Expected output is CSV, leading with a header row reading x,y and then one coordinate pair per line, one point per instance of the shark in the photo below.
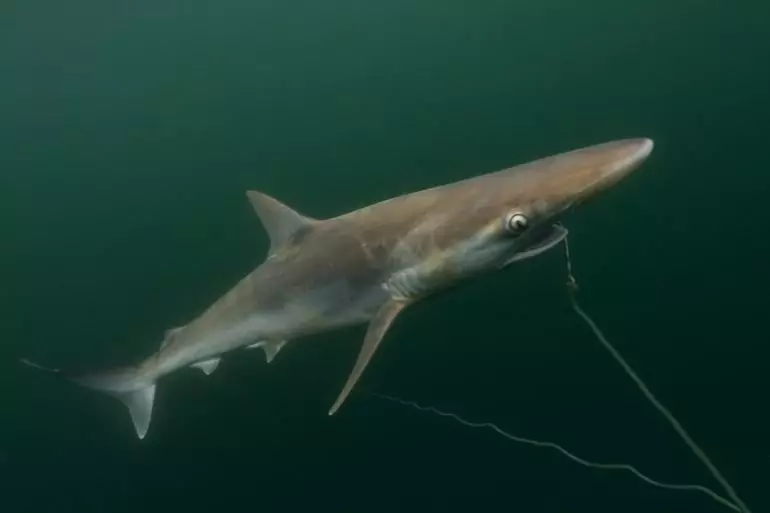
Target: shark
x,y
368,265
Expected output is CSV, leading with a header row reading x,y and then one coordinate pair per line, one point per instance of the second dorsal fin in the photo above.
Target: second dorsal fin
x,y
281,222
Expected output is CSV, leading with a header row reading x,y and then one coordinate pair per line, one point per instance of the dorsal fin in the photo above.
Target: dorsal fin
x,y
280,221
169,336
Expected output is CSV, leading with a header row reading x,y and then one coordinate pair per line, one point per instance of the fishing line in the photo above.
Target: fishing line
x,y
737,504
559,448
572,286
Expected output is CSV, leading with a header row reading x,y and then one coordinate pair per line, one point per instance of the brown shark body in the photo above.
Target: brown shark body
x,y
369,264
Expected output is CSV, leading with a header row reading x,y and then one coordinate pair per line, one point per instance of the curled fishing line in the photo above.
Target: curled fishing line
x,y
559,448
737,503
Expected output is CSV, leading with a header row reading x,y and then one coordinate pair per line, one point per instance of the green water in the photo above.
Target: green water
x,y
129,132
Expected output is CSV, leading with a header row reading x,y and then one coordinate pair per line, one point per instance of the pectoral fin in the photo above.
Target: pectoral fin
x,y
377,329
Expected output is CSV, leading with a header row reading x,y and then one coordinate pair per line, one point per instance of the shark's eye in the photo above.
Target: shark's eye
x,y
516,223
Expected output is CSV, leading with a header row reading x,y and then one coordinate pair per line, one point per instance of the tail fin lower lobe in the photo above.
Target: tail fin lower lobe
x,y
123,384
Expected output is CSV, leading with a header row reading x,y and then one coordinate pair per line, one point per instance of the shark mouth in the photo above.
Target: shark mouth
x,y
539,242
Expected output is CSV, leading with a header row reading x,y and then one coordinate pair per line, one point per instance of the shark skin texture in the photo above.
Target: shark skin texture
x,y
368,265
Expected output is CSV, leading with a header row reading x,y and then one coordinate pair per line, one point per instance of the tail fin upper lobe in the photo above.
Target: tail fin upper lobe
x,y
124,384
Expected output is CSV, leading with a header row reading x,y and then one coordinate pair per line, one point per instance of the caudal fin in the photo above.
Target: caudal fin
x,y
139,404
124,384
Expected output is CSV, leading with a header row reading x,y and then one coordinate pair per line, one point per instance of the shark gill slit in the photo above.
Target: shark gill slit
x,y
405,284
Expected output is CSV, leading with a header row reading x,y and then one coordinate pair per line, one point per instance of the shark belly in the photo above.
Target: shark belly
x,y
191,347
319,309
323,308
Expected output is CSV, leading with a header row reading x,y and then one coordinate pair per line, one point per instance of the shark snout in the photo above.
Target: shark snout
x,y
607,164
630,155
577,176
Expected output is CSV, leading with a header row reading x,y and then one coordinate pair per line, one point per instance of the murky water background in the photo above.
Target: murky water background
x,y
130,131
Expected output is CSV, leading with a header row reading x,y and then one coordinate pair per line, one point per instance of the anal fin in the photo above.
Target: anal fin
x,y
207,366
271,347
374,334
